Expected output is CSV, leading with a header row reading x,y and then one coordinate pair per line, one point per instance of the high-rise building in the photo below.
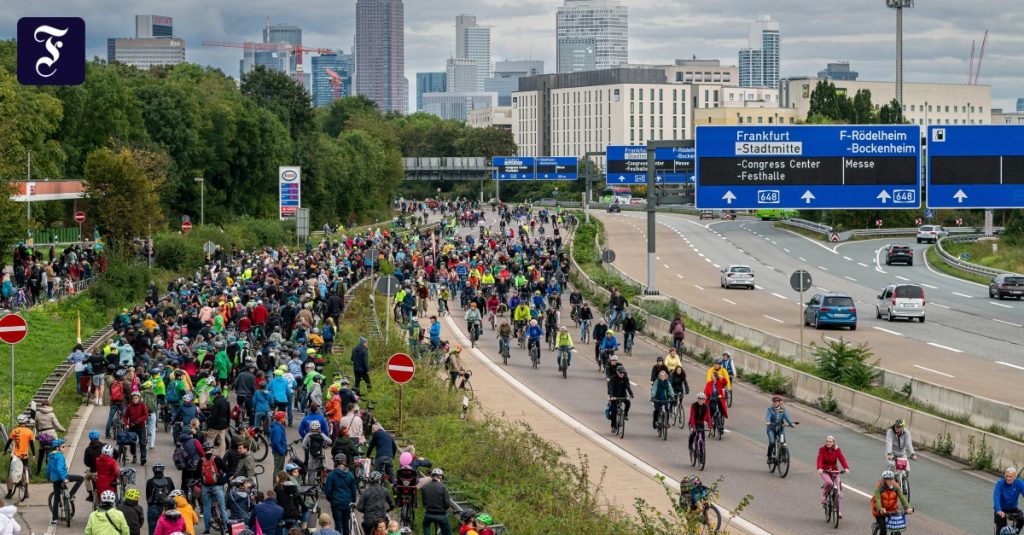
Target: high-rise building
x,y
461,75
323,86
146,53
457,105
473,41
284,33
838,71
429,82
506,77
759,62
1020,104
380,53
591,35
147,26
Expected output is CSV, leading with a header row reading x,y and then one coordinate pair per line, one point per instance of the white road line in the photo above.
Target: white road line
x,y
728,301
666,266
678,275
802,259
855,491
815,242
929,286
634,384
774,242
934,371
658,257
999,304
1007,322
886,331
699,287
928,265
822,289
1010,365
759,287
769,267
830,339
862,264
773,319
700,254
902,278
847,258
780,296
708,260
849,278
784,249
878,263
717,266
963,295
823,268
940,306
953,349
740,250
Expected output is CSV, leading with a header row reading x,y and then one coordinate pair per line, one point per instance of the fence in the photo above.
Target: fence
x,y
963,264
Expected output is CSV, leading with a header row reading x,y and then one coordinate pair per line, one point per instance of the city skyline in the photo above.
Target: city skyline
x,y
937,34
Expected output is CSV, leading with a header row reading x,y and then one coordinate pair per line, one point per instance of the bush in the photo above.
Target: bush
x,y
120,284
846,364
980,456
829,403
943,444
261,232
178,253
773,382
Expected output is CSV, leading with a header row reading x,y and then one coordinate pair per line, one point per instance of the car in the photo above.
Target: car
x,y
737,275
832,308
901,301
614,208
1007,285
899,252
930,233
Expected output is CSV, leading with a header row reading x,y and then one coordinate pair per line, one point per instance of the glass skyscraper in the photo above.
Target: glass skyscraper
x,y
473,41
591,35
323,88
380,53
759,62
429,82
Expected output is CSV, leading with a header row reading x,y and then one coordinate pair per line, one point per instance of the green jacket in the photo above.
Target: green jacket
x,y
109,522
222,364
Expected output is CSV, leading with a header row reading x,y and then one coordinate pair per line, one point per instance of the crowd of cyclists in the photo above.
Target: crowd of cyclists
x,y
36,276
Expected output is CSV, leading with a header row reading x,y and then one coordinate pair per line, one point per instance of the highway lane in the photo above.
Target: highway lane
x,y
780,505
688,259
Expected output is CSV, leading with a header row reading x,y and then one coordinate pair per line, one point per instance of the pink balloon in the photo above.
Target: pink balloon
x,y
405,459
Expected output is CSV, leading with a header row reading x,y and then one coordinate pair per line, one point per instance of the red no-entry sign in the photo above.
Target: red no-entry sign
x,y
79,217
186,226
401,368
13,329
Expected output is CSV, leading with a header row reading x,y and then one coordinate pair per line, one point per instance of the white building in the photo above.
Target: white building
x,y
473,41
999,116
591,35
461,75
496,116
457,105
759,62
145,53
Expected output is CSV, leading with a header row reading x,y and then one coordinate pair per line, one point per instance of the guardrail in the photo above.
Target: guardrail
x,y
963,264
824,230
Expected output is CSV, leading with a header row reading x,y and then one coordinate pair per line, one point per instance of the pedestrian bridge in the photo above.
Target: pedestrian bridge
x,y
447,168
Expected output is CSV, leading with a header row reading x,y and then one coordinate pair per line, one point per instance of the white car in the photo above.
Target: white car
x,y
931,233
901,301
737,275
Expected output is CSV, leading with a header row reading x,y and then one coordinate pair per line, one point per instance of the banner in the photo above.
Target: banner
x,y
289,180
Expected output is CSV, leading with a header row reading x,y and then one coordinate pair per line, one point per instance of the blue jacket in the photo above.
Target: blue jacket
x,y
435,332
261,401
186,413
268,514
56,467
314,417
278,439
278,387
1004,497
384,443
609,343
534,332
340,488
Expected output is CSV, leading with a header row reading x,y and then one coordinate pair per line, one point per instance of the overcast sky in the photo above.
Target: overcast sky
x,y
937,33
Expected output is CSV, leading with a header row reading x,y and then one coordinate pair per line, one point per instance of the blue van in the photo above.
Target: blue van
x,y
831,309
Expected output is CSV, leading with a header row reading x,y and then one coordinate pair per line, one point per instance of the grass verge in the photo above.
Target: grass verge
x,y
933,258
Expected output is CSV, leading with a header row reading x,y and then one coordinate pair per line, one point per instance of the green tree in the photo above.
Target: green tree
x,y
891,113
486,142
124,189
277,92
333,119
863,109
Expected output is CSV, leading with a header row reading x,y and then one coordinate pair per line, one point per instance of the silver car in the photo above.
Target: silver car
x,y
737,275
931,233
901,301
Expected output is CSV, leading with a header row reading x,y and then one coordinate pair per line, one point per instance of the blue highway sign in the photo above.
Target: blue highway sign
x,y
627,165
975,166
556,168
808,167
514,167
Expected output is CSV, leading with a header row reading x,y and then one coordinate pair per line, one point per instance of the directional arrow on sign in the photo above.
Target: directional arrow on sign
x,y
960,196
729,197
884,196
622,178
808,196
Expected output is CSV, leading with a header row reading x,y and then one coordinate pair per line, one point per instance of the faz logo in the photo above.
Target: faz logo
x,y
51,50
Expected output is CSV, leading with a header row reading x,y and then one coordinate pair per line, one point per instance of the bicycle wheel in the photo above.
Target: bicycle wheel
x,y
663,423
835,506
621,417
906,485
261,448
783,461
54,500
406,519
535,356
773,460
21,491
69,508
504,355
467,389
693,455
828,508
701,456
720,424
728,398
712,518
565,367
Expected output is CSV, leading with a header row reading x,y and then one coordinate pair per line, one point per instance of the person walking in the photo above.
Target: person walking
x,y
158,490
361,363
436,501
340,490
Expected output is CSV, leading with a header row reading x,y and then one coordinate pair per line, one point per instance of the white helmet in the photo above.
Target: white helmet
x,y
108,496
23,419
108,450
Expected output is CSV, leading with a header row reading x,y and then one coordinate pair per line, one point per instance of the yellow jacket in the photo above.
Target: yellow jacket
x,y
564,339
522,313
189,514
721,373
673,362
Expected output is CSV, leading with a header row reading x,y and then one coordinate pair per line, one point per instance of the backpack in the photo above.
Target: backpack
x,y
316,446
679,330
117,391
161,490
211,476
181,458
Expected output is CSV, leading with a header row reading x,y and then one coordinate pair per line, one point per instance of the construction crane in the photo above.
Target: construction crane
x,y
276,47
974,71
335,82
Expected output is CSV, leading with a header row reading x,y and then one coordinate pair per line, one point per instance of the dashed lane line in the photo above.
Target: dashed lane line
x,y
934,371
947,348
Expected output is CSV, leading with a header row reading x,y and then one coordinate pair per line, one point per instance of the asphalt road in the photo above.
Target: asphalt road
x,y
780,505
950,348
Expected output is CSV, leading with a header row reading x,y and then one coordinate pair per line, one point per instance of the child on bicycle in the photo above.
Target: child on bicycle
x,y
661,395
886,500
564,344
773,421
57,473
20,442
691,492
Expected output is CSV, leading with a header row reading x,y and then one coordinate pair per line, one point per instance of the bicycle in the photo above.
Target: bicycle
x,y
406,514
63,504
627,344
780,456
21,487
718,423
728,398
535,353
574,314
521,337
464,386
1013,520
662,418
165,416
679,411
895,523
493,319
585,331
503,349
832,499
474,333
710,518
259,446
605,355
354,525
125,478
564,358
698,452
899,466
619,421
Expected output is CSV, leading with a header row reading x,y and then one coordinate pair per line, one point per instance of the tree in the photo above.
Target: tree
x,y
486,142
124,189
334,118
891,113
278,93
863,109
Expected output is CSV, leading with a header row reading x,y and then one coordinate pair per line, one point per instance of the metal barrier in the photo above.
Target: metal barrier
x,y
963,264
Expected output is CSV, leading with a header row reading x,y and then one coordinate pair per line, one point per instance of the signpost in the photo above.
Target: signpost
x,y
289,181
514,167
870,167
388,285
975,166
186,226
556,168
608,256
401,370
627,165
13,329
800,280
535,168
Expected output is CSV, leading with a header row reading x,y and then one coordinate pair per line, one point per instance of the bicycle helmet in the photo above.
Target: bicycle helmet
x,y
376,477
437,472
660,359
620,369
57,442
609,332
718,362
405,531
612,358
340,458
23,419
485,519
108,497
776,398
108,450
466,515
159,468
314,425
120,374
208,446
700,395
888,474
1008,530
290,466
171,508
175,493
188,398
238,480
900,422
132,494
94,435
214,391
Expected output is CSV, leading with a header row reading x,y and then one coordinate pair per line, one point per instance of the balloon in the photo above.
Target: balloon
x,y
405,459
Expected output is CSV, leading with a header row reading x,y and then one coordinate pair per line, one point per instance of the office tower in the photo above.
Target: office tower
x,y
759,62
429,82
591,35
380,53
280,33
1020,105
506,77
146,53
460,75
147,26
838,71
473,41
323,88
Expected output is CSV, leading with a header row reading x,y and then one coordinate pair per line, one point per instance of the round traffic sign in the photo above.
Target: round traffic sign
x,y
186,226
401,368
79,217
13,328
388,285
608,256
800,280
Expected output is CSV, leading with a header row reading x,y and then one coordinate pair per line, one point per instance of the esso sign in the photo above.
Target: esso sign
x,y
289,175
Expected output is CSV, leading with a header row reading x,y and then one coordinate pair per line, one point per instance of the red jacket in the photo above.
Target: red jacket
x,y
106,473
827,458
259,315
693,416
135,415
721,395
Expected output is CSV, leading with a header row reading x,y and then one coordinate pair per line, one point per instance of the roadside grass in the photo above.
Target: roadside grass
x,y
932,256
1008,257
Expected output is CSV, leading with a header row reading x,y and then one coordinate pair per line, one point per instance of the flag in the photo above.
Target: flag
x,y
79,331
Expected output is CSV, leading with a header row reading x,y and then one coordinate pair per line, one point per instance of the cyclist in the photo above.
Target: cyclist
x,y
597,336
533,334
314,444
728,366
132,511
699,414
830,456
716,368
504,335
1005,496
436,502
374,502
661,394
57,473
659,366
773,421
563,342
158,490
898,443
672,361
575,300
714,390
520,316
340,491
586,316
613,364
679,384
493,302
609,344
239,500
628,330
22,440
473,322
619,387
887,499
693,491
551,322
107,520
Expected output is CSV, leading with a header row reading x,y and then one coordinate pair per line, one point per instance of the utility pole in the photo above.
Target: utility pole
x,y
899,6
28,189
202,199
586,198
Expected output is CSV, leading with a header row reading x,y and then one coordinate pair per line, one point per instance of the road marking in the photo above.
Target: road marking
x,y
769,267
740,250
847,258
862,493
999,304
878,262
728,301
658,257
862,264
963,295
830,339
822,289
708,260
717,266
953,349
634,384
929,286
1010,365
887,331
1007,322
780,296
902,278
784,249
774,242
802,259
815,242
666,266
934,371
940,306
700,254
678,275
773,319
759,287
849,278
699,287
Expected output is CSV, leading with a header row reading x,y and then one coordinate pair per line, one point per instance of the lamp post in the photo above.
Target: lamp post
x,y
899,5
202,199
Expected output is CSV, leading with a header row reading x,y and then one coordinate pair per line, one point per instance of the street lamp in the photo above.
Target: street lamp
x,y
202,199
899,5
